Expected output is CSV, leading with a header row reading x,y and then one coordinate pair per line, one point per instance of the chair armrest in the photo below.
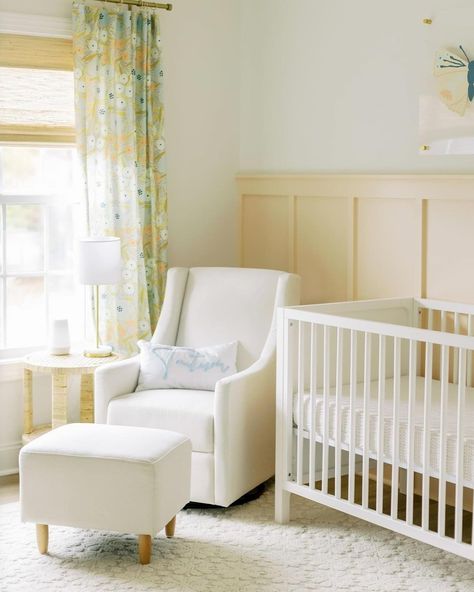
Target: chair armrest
x,y
244,410
113,380
261,370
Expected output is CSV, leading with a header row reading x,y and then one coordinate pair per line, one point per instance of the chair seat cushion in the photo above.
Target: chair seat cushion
x,y
186,411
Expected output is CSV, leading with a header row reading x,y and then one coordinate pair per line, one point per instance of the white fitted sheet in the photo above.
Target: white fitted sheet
x,y
451,423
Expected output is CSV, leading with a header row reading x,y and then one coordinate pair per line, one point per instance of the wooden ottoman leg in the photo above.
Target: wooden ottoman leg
x,y
169,528
42,536
144,548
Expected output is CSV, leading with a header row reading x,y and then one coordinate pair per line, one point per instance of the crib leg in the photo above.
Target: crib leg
x,y
282,506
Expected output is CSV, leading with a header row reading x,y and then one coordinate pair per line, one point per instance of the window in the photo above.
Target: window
x,y
39,214
39,204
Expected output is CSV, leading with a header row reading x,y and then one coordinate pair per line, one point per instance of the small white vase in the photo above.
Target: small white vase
x,y
59,341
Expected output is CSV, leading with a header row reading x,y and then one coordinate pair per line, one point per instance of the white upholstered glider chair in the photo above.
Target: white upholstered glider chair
x,y
232,429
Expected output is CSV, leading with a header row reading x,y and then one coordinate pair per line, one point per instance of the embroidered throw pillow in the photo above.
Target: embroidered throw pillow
x,y
166,366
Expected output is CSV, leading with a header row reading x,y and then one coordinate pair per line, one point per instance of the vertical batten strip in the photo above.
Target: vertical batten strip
x,y
352,402
396,427
350,249
339,353
326,393
421,252
291,234
443,320
442,439
300,386
430,319
469,354
355,247
425,512
312,389
411,429
365,455
380,424
456,351
458,510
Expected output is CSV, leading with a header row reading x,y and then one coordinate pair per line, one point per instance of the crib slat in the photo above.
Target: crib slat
x,y
380,424
396,427
425,512
458,512
339,353
312,389
326,389
442,440
411,429
352,402
365,452
300,387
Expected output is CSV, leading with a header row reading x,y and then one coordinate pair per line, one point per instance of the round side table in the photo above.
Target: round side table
x,y
60,368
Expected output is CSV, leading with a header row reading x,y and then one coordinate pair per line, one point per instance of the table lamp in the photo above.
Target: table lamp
x,y
99,264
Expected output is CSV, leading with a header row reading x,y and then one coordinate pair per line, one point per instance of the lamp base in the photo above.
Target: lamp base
x,y
103,351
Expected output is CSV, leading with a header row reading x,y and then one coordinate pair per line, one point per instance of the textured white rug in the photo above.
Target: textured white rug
x,y
238,549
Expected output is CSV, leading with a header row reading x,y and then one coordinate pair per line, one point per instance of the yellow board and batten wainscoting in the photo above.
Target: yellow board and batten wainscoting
x,y
362,236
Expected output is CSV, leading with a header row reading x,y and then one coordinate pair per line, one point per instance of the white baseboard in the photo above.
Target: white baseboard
x,y
9,458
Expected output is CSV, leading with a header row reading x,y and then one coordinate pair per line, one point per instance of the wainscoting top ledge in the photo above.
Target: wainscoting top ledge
x,y
404,186
385,176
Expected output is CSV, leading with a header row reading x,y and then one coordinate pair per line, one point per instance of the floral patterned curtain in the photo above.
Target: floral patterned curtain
x,y
119,123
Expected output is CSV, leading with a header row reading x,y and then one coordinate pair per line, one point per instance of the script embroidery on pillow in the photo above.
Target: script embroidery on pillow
x,y
165,366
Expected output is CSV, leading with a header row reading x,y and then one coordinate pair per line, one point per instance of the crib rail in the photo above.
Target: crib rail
x,y
373,419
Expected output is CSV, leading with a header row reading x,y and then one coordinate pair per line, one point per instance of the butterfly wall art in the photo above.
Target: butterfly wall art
x,y
455,76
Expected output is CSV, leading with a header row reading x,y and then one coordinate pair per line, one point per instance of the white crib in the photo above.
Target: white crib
x,y
375,415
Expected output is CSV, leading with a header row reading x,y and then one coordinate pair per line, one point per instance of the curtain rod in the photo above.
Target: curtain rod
x,y
142,3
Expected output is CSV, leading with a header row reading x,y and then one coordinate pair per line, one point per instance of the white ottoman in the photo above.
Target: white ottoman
x,y
119,478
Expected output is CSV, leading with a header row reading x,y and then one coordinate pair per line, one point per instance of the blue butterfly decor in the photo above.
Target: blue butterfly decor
x,y
455,75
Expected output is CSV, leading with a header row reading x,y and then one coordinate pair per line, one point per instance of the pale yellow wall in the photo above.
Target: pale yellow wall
x,y
363,236
201,96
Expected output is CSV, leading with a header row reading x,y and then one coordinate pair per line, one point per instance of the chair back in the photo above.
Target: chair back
x,y
224,304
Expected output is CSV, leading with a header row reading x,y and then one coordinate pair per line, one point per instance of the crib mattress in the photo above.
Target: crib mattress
x,y
451,421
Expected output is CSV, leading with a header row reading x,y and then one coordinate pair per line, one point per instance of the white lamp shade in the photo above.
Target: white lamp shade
x,y
99,260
